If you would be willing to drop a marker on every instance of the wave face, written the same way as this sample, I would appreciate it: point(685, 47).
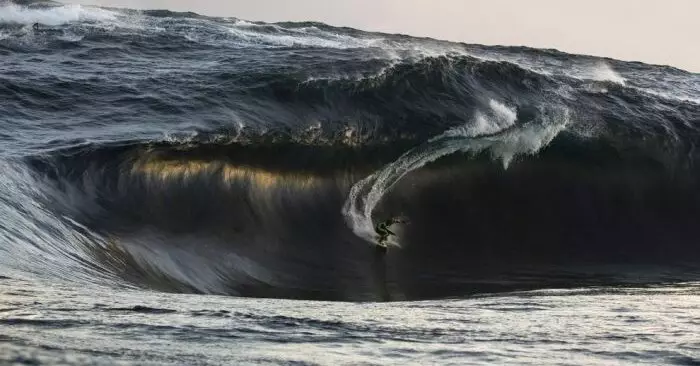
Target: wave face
point(183, 153)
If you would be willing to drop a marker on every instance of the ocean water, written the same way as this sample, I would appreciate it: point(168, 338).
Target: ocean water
point(181, 189)
point(54, 325)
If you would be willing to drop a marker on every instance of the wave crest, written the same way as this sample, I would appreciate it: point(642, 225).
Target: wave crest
point(53, 15)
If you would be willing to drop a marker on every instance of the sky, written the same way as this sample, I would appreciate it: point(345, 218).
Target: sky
point(665, 32)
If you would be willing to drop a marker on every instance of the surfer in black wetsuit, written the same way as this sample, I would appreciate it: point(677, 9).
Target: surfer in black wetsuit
point(36, 26)
point(384, 232)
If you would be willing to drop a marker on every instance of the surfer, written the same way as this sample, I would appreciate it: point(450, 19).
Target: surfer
point(384, 232)
point(36, 26)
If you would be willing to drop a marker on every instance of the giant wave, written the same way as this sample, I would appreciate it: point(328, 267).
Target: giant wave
point(184, 153)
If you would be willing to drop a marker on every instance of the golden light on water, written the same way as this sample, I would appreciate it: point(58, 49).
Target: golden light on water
point(167, 170)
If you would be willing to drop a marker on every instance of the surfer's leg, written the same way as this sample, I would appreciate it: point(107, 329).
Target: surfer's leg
point(383, 238)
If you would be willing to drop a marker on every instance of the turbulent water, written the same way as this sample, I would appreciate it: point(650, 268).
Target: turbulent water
point(164, 159)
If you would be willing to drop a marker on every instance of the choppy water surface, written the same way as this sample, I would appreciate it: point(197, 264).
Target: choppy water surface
point(168, 178)
point(587, 326)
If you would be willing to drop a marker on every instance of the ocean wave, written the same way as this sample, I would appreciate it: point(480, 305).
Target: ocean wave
point(183, 153)
point(266, 220)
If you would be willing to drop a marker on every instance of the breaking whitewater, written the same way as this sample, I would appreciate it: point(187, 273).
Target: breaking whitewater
point(168, 178)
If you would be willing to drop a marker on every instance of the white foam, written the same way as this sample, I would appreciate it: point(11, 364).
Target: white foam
point(315, 37)
point(289, 38)
point(679, 95)
point(71, 38)
point(507, 142)
point(54, 16)
point(192, 37)
point(242, 22)
point(499, 117)
point(603, 72)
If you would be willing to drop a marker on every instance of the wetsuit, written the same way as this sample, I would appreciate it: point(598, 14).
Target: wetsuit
point(383, 232)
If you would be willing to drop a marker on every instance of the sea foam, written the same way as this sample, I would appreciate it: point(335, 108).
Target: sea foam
point(54, 16)
point(604, 72)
